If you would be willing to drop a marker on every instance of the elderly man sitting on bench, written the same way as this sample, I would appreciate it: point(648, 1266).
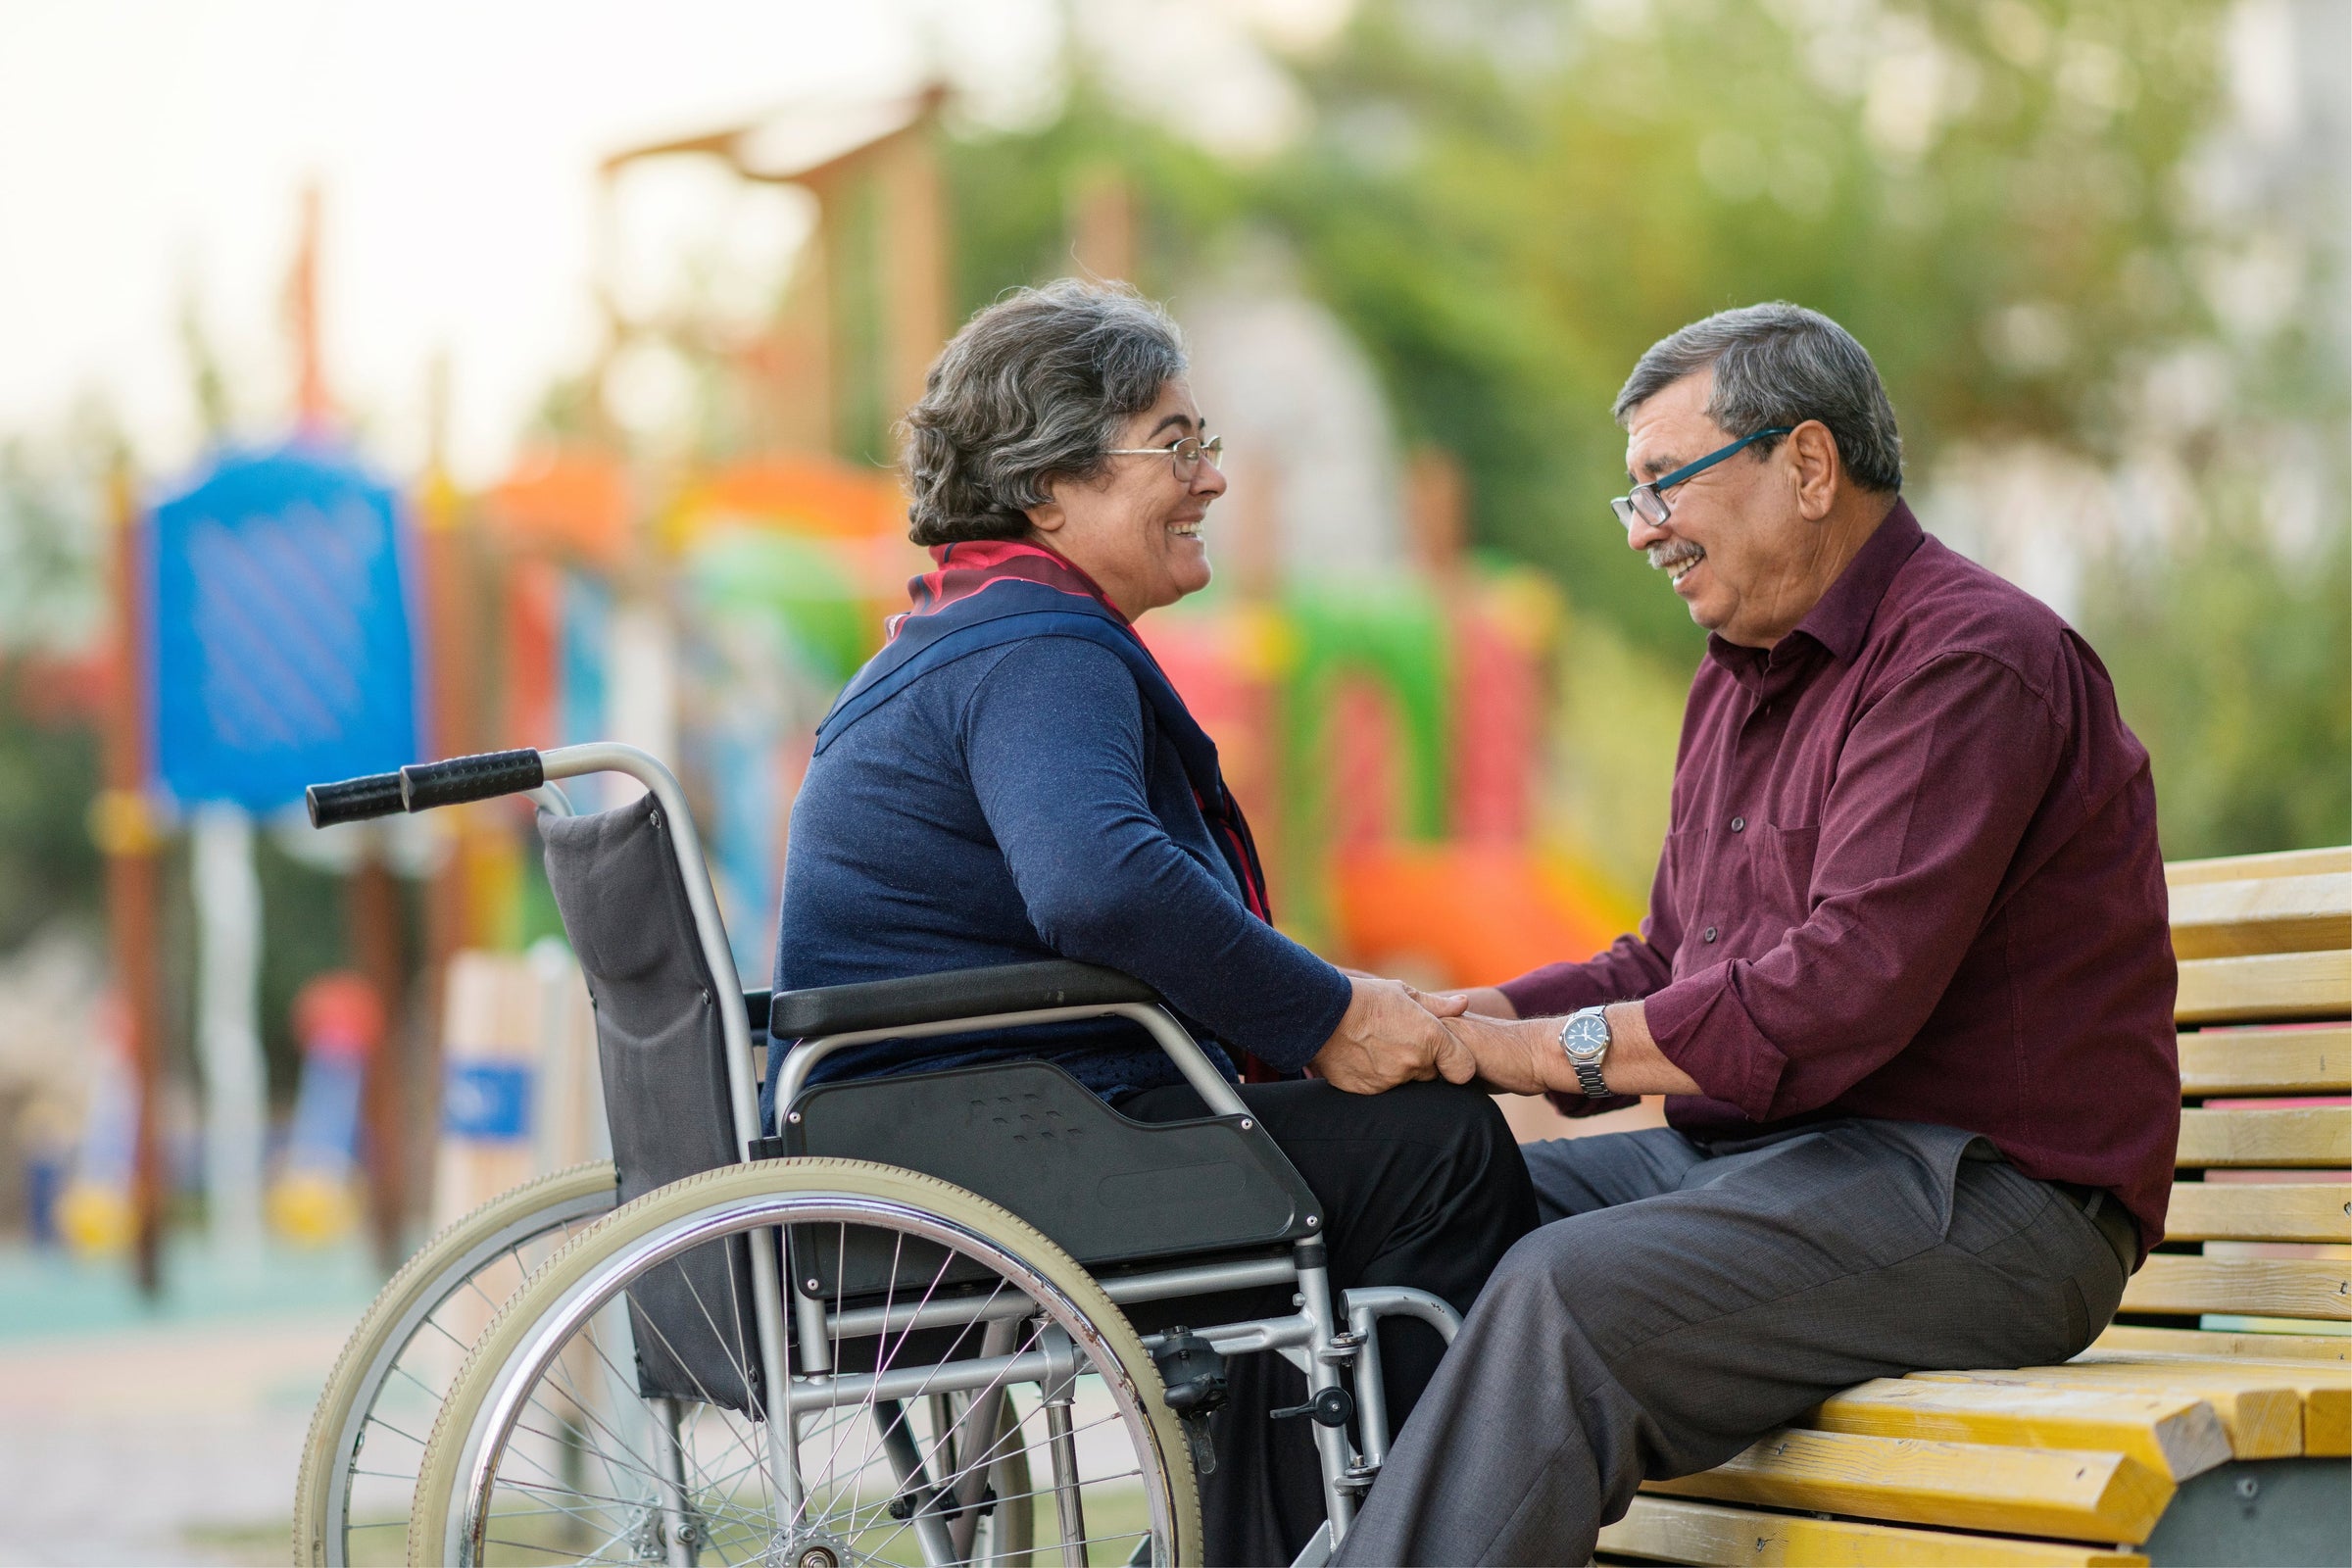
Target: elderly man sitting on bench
point(1906, 981)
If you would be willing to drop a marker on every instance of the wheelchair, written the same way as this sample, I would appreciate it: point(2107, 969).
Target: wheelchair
point(894, 1327)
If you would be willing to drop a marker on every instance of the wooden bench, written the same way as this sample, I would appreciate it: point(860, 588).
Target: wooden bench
point(2211, 1423)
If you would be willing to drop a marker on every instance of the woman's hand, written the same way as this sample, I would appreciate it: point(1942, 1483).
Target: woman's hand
point(1391, 1035)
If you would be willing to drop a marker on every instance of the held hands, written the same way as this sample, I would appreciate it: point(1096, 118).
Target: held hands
point(1511, 1059)
point(1391, 1035)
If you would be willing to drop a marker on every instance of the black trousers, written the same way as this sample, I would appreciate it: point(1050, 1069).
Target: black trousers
point(1684, 1299)
point(1422, 1186)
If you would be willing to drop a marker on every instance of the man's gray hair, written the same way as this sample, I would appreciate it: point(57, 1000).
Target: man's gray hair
point(1781, 364)
point(1034, 387)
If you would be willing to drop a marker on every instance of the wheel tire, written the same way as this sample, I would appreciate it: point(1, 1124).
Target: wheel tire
point(437, 1271)
point(485, 1372)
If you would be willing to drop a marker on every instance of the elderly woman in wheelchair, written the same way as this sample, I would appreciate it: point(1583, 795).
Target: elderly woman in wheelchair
point(1008, 1260)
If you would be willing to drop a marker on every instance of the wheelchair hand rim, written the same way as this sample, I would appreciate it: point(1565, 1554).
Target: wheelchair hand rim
point(727, 1216)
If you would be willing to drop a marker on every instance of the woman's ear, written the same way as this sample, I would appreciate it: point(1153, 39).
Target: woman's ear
point(1047, 515)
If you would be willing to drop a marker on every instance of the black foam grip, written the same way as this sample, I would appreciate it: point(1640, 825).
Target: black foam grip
point(425, 785)
point(354, 799)
point(951, 994)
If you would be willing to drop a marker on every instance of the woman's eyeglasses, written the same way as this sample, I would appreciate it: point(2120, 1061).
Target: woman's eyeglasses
point(1648, 502)
point(1187, 452)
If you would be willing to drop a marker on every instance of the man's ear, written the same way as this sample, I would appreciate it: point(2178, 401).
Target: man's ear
point(1813, 457)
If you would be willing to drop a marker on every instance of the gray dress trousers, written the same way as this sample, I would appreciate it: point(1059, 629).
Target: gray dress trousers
point(1682, 1298)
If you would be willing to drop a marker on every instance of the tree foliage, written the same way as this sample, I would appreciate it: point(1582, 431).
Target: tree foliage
point(1508, 200)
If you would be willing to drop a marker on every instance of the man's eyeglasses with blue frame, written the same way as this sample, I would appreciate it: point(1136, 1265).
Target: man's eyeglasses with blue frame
point(1648, 501)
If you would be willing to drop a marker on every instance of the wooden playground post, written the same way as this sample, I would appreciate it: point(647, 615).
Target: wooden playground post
point(124, 829)
point(372, 910)
point(452, 727)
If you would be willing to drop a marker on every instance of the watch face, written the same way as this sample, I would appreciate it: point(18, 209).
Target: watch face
point(1586, 1036)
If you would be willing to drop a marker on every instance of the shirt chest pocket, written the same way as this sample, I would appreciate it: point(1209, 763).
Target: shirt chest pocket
point(1781, 868)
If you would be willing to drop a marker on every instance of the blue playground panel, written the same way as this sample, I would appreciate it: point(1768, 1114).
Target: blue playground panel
point(283, 648)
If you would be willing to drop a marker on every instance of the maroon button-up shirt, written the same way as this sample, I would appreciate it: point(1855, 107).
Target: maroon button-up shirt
point(1912, 873)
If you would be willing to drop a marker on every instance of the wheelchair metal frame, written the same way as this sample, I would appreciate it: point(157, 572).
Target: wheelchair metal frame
point(1326, 1341)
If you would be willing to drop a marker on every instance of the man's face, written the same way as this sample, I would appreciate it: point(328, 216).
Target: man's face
point(1738, 547)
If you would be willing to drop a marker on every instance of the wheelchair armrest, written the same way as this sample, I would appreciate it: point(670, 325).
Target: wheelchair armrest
point(947, 995)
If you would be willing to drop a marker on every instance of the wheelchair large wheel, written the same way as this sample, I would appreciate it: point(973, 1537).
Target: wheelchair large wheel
point(367, 1437)
point(976, 1400)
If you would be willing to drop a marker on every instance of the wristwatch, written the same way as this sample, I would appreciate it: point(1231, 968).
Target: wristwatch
point(1584, 1041)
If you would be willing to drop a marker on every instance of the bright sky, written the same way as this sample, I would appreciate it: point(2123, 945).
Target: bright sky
point(150, 152)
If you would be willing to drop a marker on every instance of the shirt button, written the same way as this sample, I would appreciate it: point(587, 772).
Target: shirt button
point(1738, 824)
point(1709, 935)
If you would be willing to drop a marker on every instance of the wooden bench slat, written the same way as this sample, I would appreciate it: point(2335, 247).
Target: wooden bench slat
point(2278, 862)
point(1677, 1529)
point(2277, 1287)
point(2275, 1327)
point(2271, 914)
point(2142, 1342)
point(2174, 1434)
point(2266, 988)
point(2325, 1391)
point(2259, 1407)
point(2233, 1212)
point(2267, 1061)
point(2305, 1136)
point(2071, 1493)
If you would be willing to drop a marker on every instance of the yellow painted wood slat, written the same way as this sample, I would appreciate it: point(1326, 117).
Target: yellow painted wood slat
point(2259, 1406)
point(2140, 1342)
point(2278, 863)
point(2277, 1287)
point(2269, 915)
point(1679, 1530)
point(2325, 1391)
point(2074, 1494)
point(2266, 988)
point(2233, 1212)
point(2304, 1137)
point(2177, 1434)
point(2267, 1061)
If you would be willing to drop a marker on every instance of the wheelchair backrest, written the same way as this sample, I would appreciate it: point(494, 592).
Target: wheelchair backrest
point(615, 875)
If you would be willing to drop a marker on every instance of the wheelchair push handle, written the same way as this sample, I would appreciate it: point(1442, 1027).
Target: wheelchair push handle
point(354, 799)
point(480, 777)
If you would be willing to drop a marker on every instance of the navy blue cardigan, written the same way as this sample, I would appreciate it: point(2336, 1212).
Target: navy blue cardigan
point(1021, 802)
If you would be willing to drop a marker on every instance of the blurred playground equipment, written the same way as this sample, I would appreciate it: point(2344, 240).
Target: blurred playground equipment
point(312, 1198)
point(291, 615)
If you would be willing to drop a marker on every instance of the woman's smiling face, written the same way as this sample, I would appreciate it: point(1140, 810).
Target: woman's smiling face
point(1135, 529)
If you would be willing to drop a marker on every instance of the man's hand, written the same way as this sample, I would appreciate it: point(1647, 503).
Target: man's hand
point(1523, 1057)
point(1391, 1035)
point(1511, 1059)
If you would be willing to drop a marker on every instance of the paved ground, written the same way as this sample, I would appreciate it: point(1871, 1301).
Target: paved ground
point(166, 1445)
point(132, 1434)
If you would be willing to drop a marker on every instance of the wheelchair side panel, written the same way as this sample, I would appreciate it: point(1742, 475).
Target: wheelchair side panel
point(1028, 1136)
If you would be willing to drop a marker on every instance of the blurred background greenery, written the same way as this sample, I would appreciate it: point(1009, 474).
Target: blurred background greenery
point(2049, 223)
point(2099, 248)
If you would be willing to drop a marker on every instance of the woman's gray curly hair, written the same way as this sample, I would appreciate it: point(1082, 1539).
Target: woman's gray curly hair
point(1034, 387)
